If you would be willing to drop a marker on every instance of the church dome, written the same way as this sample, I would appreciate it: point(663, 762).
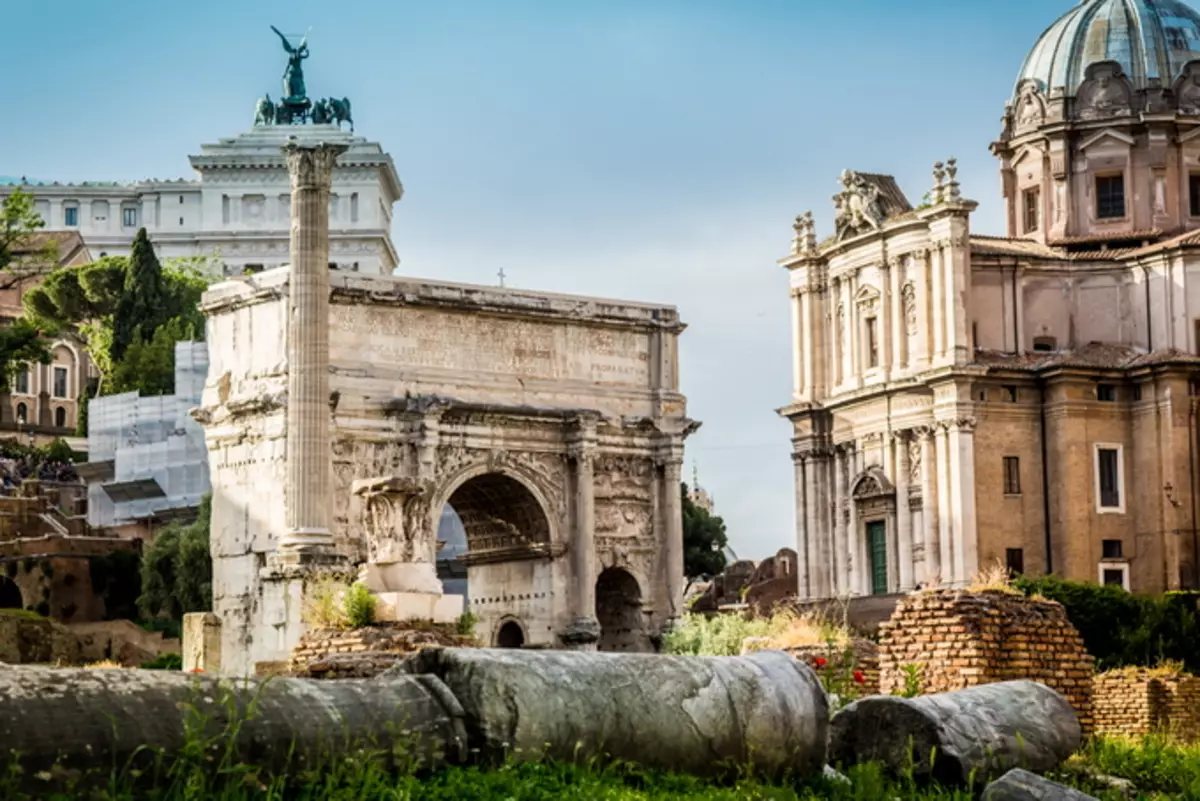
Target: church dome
point(1152, 40)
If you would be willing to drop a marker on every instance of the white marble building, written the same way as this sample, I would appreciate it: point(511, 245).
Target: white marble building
point(237, 208)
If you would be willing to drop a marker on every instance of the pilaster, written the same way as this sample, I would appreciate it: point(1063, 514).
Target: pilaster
point(841, 503)
point(799, 464)
point(584, 629)
point(961, 444)
point(904, 538)
point(945, 530)
point(929, 506)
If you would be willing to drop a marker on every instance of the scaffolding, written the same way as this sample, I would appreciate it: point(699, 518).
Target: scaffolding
point(148, 455)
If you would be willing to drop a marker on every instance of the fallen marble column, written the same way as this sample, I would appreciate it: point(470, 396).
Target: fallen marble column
point(701, 715)
point(956, 736)
point(72, 721)
point(1021, 785)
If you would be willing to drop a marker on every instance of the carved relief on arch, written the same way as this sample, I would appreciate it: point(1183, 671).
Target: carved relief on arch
point(867, 298)
point(1187, 89)
point(1105, 92)
point(1031, 105)
point(544, 471)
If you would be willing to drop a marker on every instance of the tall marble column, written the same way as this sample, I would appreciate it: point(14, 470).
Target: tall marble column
point(937, 310)
point(800, 386)
point(584, 629)
point(904, 534)
point(961, 446)
point(309, 460)
point(929, 507)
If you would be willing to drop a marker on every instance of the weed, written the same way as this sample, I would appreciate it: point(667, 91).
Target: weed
point(359, 606)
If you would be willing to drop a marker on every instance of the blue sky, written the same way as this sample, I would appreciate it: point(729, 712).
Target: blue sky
point(654, 150)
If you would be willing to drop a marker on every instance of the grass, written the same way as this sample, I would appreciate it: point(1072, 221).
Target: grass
point(726, 635)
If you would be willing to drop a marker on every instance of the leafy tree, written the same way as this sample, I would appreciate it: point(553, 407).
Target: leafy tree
point(704, 540)
point(149, 367)
point(145, 300)
point(20, 256)
point(21, 343)
point(177, 569)
point(92, 298)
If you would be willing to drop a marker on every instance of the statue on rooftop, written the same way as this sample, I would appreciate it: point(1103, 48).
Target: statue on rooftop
point(294, 91)
point(264, 112)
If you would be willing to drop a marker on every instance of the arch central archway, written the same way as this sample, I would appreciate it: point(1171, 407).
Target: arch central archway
point(499, 513)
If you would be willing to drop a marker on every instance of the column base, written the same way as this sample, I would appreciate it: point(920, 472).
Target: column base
point(581, 635)
point(304, 540)
point(405, 606)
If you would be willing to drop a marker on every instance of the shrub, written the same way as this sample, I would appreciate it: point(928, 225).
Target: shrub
point(164, 662)
point(359, 605)
point(1121, 629)
point(323, 605)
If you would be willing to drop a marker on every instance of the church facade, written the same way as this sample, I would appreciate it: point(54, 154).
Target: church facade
point(962, 401)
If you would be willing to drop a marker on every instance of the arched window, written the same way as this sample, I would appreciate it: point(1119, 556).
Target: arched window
point(22, 413)
point(60, 417)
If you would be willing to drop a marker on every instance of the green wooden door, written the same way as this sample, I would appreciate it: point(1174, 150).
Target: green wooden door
point(877, 547)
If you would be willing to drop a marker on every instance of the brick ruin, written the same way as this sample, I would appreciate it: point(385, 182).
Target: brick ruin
point(961, 639)
point(361, 653)
point(1138, 701)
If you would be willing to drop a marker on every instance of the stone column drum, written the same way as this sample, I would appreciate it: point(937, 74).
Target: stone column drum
point(309, 463)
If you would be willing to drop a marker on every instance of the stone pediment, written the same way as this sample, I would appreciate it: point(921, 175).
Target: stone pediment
point(871, 483)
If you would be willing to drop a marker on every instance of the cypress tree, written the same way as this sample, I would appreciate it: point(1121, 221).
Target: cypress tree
point(144, 302)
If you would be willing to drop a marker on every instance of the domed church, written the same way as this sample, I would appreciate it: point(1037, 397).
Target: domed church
point(964, 401)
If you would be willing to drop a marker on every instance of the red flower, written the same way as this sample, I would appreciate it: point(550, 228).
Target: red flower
point(859, 677)
point(819, 661)
point(196, 670)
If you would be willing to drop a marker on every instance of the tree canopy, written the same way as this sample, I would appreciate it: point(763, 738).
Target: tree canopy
point(118, 306)
point(177, 569)
point(704, 540)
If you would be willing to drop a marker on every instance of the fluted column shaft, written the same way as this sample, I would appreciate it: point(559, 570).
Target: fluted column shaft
point(309, 460)
point(584, 630)
point(904, 534)
point(929, 507)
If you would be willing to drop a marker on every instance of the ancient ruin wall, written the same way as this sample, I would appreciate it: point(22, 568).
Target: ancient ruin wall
point(962, 639)
point(1135, 702)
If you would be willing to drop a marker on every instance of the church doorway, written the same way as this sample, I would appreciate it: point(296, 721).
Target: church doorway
point(510, 635)
point(877, 556)
point(10, 594)
point(619, 612)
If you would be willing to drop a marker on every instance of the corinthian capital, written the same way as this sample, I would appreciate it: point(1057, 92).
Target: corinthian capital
point(311, 166)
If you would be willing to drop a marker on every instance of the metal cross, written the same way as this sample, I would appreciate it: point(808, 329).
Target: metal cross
point(501, 276)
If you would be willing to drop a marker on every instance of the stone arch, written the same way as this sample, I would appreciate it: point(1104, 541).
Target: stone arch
point(871, 483)
point(509, 634)
point(619, 612)
point(499, 509)
point(60, 417)
point(874, 498)
point(10, 594)
point(23, 413)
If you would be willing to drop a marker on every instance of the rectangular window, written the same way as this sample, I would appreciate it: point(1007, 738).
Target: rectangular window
point(1111, 549)
point(1014, 560)
point(1113, 578)
point(71, 216)
point(1106, 393)
point(60, 382)
point(1109, 477)
point(872, 342)
point(22, 382)
point(1011, 392)
point(1194, 193)
point(1012, 475)
point(129, 218)
point(1032, 199)
point(1137, 392)
point(1110, 196)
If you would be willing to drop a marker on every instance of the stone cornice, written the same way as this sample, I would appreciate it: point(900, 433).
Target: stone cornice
point(351, 288)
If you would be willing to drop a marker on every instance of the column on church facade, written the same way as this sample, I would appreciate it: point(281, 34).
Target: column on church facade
point(937, 308)
point(957, 257)
point(309, 469)
point(904, 535)
point(803, 535)
point(1019, 282)
point(800, 384)
point(813, 508)
point(944, 512)
point(961, 444)
point(841, 550)
point(929, 505)
point(899, 328)
point(922, 346)
point(883, 325)
point(825, 540)
point(852, 325)
point(809, 331)
point(847, 325)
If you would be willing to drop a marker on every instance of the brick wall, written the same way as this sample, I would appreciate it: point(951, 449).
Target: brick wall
point(1137, 701)
point(364, 653)
point(962, 639)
